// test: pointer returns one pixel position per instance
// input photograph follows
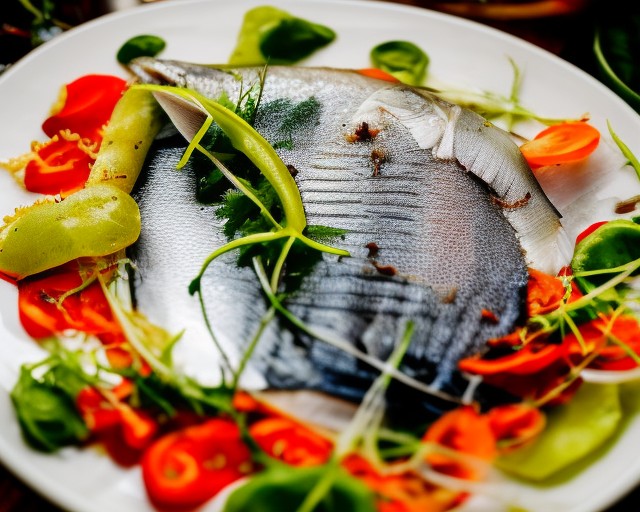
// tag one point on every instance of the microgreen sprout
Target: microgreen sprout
(632, 160)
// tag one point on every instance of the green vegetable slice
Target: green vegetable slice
(402, 59)
(273, 35)
(140, 46)
(96, 221)
(612, 245)
(293, 39)
(287, 488)
(573, 431)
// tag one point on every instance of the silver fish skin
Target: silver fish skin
(448, 202)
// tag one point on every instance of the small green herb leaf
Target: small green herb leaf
(402, 59)
(140, 46)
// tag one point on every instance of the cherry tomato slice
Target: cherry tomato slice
(291, 442)
(188, 467)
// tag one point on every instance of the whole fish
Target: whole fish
(442, 217)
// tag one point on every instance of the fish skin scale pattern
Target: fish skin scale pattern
(452, 250)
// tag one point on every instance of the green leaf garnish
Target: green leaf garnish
(272, 35)
(140, 46)
(402, 59)
(293, 39)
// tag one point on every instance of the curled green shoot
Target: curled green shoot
(247, 140)
(632, 160)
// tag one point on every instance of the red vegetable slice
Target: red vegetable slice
(561, 143)
(515, 424)
(188, 467)
(589, 230)
(544, 292)
(88, 104)
(60, 166)
(291, 442)
(379, 74)
(466, 431)
(86, 310)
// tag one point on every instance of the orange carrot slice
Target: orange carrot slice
(561, 143)
(379, 74)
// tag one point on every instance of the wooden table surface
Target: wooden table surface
(567, 36)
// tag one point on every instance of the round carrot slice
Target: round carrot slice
(561, 143)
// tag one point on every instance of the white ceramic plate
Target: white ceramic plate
(462, 53)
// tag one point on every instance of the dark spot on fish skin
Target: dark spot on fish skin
(627, 206)
(451, 296)
(114, 198)
(385, 270)
(120, 177)
(378, 158)
(109, 143)
(519, 203)
(292, 170)
(373, 249)
(362, 133)
(489, 316)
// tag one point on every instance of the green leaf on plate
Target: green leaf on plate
(573, 431)
(140, 46)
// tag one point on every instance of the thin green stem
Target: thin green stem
(264, 322)
(631, 158)
(256, 238)
(321, 489)
(322, 247)
(214, 338)
(277, 269)
(625, 271)
(241, 186)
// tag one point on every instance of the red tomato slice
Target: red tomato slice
(291, 442)
(88, 105)
(86, 310)
(58, 167)
(188, 467)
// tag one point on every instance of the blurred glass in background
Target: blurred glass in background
(600, 36)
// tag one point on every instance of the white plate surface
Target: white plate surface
(462, 53)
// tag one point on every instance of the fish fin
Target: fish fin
(186, 115)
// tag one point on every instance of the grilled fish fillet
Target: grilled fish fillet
(442, 216)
